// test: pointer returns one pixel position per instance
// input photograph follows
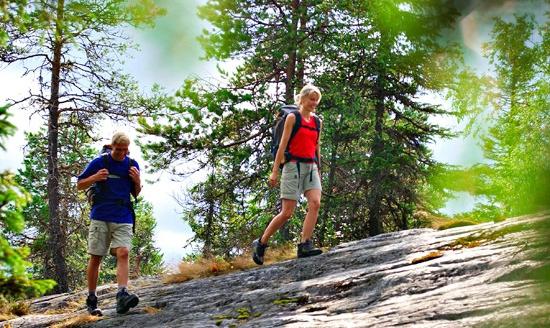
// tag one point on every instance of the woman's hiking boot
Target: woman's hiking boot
(306, 249)
(258, 251)
(125, 301)
(91, 305)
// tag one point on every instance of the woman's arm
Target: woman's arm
(318, 150)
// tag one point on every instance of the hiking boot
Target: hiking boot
(258, 251)
(125, 301)
(91, 305)
(306, 249)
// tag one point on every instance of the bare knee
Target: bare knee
(95, 260)
(286, 214)
(314, 204)
(122, 252)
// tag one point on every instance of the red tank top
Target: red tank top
(304, 143)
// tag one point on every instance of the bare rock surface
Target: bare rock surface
(461, 277)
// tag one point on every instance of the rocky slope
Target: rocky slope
(482, 275)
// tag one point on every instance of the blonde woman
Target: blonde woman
(299, 153)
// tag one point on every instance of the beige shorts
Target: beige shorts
(104, 235)
(292, 186)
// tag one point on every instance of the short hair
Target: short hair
(120, 138)
(306, 90)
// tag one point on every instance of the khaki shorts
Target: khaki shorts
(104, 235)
(292, 186)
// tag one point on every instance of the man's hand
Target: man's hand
(134, 175)
(101, 175)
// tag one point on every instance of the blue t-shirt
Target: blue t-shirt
(115, 195)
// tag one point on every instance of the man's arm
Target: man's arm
(134, 176)
(85, 183)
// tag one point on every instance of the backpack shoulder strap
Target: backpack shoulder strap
(317, 126)
(317, 122)
(105, 158)
(297, 125)
(102, 185)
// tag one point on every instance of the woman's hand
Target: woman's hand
(273, 179)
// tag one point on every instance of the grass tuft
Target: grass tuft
(10, 310)
(76, 321)
(70, 306)
(151, 310)
(455, 224)
(427, 257)
(478, 239)
(202, 268)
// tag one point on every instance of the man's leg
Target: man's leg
(93, 272)
(121, 242)
(98, 243)
(122, 266)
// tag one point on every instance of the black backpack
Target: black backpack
(94, 192)
(279, 127)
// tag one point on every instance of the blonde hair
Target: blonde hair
(306, 91)
(120, 138)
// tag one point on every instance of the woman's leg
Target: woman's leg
(313, 197)
(288, 206)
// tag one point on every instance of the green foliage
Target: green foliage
(77, 47)
(6, 128)
(15, 282)
(75, 151)
(12, 12)
(145, 259)
(514, 104)
(371, 60)
(455, 224)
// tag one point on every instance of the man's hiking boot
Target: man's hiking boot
(91, 305)
(258, 251)
(125, 301)
(306, 249)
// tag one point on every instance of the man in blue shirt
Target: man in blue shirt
(114, 177)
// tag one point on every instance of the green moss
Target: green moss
(484, 237)
(241, 314)
(221, 316)
(456, 224)
(291, 300)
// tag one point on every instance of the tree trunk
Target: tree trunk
(290, 82)
(329, 192)
(56, 238)
(207, 248)
(137, 266)
(292, 54)
(300, 52)
(375, 194)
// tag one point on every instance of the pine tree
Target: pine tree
(15, 281)
(73, 48)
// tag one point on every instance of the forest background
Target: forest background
(395, 76)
